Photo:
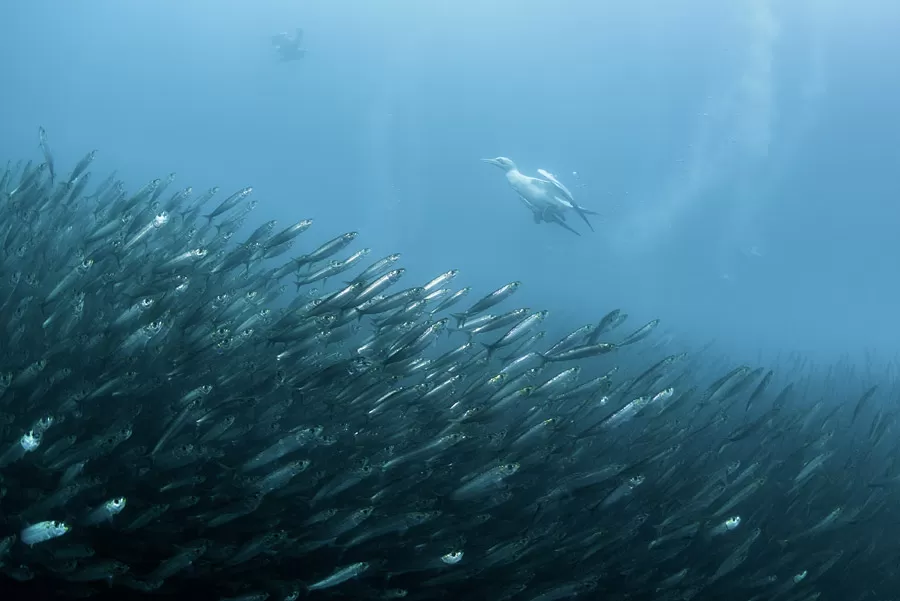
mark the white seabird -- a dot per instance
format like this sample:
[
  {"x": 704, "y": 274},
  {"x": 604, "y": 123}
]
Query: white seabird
[{"x": 547, "y": 198}]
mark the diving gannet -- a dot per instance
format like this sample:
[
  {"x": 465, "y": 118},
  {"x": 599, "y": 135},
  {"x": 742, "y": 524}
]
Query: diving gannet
[{"x": 548, "y": 199}]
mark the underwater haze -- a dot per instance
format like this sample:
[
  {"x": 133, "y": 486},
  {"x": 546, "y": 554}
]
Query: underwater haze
[
  {"x": 506, "y": 300},
  {"x": 738, "y": 154}
]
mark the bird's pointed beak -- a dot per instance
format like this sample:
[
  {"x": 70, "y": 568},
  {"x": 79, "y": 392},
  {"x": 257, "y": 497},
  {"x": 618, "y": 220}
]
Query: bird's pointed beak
[{"x": 494, "y": 162}]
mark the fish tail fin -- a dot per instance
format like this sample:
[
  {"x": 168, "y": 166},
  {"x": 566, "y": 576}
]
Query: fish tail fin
[
  {"x": 227, "y": 468},
  {"x": 460, "y": 319},
  {"x": 491, "y": 349}
]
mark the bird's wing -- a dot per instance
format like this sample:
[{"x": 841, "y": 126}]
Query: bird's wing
[
  {"x": 557, "y": 184},
  {"x": 527, "y": 202},
  {"x": 566, "y": 195},
  {"x": 280, "y": 39},
  {"x": 534, "y": 210}
]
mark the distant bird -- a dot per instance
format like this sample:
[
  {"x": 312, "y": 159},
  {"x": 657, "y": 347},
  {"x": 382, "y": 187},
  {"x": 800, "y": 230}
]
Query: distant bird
[
  {"x": 547, "y": 198},
  {"x": 288, "y": 46}
]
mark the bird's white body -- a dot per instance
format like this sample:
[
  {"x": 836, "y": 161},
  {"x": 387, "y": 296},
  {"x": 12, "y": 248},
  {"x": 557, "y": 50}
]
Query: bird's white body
[{"x": 540, "y": 194}]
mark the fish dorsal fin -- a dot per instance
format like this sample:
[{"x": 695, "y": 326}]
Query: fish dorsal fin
[{"x": 552, "y": 179}]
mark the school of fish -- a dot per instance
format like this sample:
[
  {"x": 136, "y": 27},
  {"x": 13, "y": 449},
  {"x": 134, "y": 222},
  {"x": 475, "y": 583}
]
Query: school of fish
[{"x": 182, "y": 407}]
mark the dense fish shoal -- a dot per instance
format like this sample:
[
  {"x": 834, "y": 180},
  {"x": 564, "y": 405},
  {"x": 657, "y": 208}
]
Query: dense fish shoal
[{"x": 188, "y": 408}]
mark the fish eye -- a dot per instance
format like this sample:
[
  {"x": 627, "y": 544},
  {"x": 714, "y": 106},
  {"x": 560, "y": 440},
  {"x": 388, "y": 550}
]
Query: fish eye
[{"x": 452, "y": 557}]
